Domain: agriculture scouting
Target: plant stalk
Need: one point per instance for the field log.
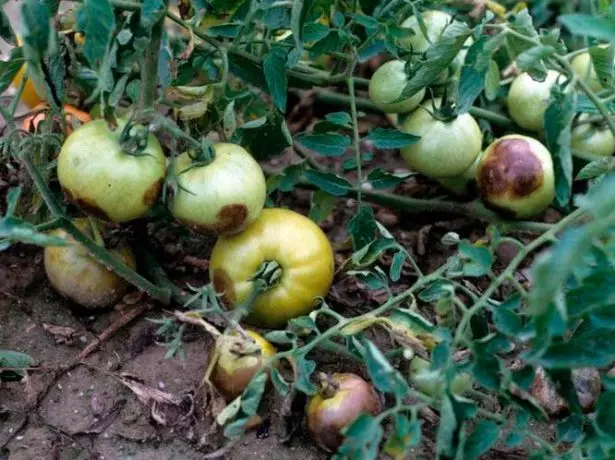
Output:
(149, 69)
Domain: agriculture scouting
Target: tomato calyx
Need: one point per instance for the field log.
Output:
(133, 139)
(446, 112)
(203, 154)
(327, 387)
(268, 275)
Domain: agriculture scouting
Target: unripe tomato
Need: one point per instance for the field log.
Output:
(341, 399)
(72, 115)
(435, 22)
(460, 185)
(584, 67)
(220, 198)
(387, 85)
(78, 276)
(103, 180)
(515, 176)
(238, 362)
(431, 382)
(446, 148)
(297, 244)
(592, 139)
(528, 100)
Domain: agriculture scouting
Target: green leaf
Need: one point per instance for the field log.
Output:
(341, 119)
(558, 124)
(532, 59)
(523, 25)
(247, 70)
(362, 227)
(328, 145)
(229, 122)
(280, 337)
(151, 12)
(16, 361)
(370, 252)
(252, 395)
(602, 28)
(297, 19)
(602, 61)
(447, 428)
(274, 67)
(383, 375)
(484, 435)
(8, 69)
(407, 434)
(321, 206)
(268, 140)
(229, 30)
(389, 138)
(99, 26)
(328, 182)
(596, 168)
(305, 369)
(397, 264)
(361, 439)
(229, 412)
(475, 70)
(437, 58)
(592, 348)
(570, 428)
(492, 81)
(36, 19)
(380, 179)
(605, 413)
(14, 229)
(6, 30)
(281, 385)
(476, 260)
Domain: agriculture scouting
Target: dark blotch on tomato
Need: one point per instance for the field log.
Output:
(230, 219)
(510, 169)
(152, 193)
(224, 286)
(86, 206)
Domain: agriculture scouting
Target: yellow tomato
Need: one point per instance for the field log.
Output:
(297, 244)
(30, 95)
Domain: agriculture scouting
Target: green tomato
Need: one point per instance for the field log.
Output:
(528, 99)
(515, 176)
(104, 181)
(386, 87)
(431, 382)
(220, 198)
(446, 148)
(592, 139)
(460, 185)
(584, 67)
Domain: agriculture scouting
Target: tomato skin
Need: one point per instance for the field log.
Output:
(233, 372)
(516, 177)
(221, 198)
(79, 277)
(97, 176)
(387, 85)
(435, 22)
(583, 66)
(592, 139)
(432, 382)
(528, 99)
(327, 417)
(292, 240)
(446, 149)
(71, 114)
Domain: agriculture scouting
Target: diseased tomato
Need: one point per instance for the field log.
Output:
(515, 176)
(79, 277)
(293, 241)
(592, 138)
(528, 99)
(446, 148)
(342, 397)
(103, 180)
(584, 67)
(238, 362)
(386, 87)
(220, 198)
(73, 116)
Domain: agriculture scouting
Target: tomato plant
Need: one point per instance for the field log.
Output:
(424, 188)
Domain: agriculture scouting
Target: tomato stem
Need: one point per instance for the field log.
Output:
(149, 66)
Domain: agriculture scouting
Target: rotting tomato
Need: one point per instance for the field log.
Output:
(73, 116)
(446, 148)
(79, 277)
(584, 67)
(386, 87)
(222, 197)
(99, 177)
(515, 176)
(291, 240)
(341, 398)
(595, 139)
(238, 361)
(528, 99)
